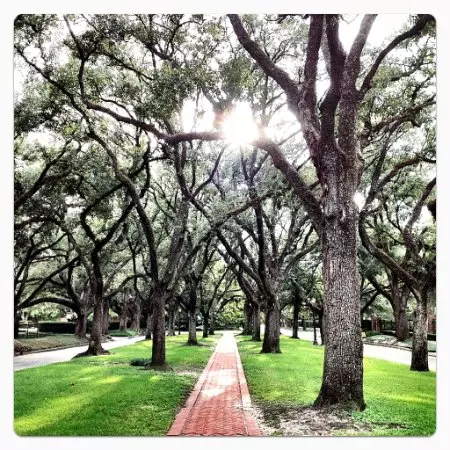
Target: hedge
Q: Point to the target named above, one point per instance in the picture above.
(68, 327)
(57, 327)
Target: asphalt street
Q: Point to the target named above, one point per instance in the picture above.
(399, 355)
(66, 354)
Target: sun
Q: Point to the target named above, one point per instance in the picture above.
(240, 127)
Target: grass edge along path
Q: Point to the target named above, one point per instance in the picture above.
(399, 402)
(49, 342)
(105, 395)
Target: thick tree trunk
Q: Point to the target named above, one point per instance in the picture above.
(399, 306)
(192, 336)
(212, 324)
(95, 341)
(271, 343)
(148, 331)
(81, 324)
(401, 323)
(123, 319)
(256, 334)
(205, 325)
(248, 318)
(295, 319)
(419, 357)
(105, 320)
(160, 296)
(342, 382)
(134, 324)
(171, 318)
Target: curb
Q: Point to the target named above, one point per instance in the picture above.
(52, 349)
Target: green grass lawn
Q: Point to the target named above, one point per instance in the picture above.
(123, 333)
(399, 402)
(51, 341)
(104, 395)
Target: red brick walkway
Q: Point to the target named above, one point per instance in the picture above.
(220, 402)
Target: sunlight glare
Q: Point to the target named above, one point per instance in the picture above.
(187, 115)
(240, 127)
(359, 199)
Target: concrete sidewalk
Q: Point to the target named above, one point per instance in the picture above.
(54, 356)
(219, 404)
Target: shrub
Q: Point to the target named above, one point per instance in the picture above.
(114, 325)
(372, 333)
(123, 333)
(57, 327)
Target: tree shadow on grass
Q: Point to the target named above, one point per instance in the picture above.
(109, 405)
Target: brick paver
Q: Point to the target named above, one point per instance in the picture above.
(220, 402)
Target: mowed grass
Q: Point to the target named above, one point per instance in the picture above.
(104, 395)
(48, 342)
(399, 402)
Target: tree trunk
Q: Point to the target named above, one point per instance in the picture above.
(134, 324)
(271, 343)
(322, 335)
(212, 324)
(314, 330)
(81, 324)
(419, 357)
(399, 306)
(248, 318)
(401, 323)
(16, 323)
(295, 319)
(171, 318)
(137, 328)
(342, 381)
(256, 335)
(123, 319)
(148, 331)
(303, 324)
(205, 325)
(105, 320)
(192, 337)
(95, 341)
(136, 316)
(160, 296)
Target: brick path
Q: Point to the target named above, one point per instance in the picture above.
(219, 404)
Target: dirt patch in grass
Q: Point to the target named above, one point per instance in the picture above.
(282, 420)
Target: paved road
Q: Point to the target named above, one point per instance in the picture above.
(66, 354)
(402, 356)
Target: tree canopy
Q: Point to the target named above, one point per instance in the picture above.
(206, 163)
